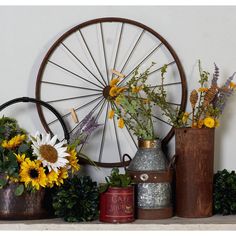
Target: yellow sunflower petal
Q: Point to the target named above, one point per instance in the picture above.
(14, 142)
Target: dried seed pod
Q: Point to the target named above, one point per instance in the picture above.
(193, 98)
(209, 96)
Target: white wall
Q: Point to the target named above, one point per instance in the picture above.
(206, 33)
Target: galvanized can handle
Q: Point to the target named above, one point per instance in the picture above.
(123, 160)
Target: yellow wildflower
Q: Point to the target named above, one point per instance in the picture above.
(111, 114)
(200, 123)
(136, 89)
(121, 123)
(217, 123)
(185, 117)
(232, 85)
(114, 82)
(202, 90)
(121, 90)
(209, 122)
(14, 142)
(117, 101)
(114, 91)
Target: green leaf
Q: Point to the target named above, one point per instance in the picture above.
(19, 190)
(3, 182)
(23, 148)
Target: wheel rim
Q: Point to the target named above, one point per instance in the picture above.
(101, 78)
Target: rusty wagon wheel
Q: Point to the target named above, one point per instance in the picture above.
(76, 71)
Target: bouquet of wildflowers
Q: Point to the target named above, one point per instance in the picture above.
(207, 102)
(34, 162)
(130, 106)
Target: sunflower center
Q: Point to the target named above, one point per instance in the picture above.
(33, 173)
(48, 153)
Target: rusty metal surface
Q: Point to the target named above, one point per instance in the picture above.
(194, 172)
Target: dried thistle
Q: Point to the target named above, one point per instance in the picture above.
(210, 94)
(193, 98)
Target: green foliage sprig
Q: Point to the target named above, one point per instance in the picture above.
(225, 192)
(116, 180)
(77, 199)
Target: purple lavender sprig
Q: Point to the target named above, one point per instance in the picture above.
(223, 94)
(215, 76)
(84, 129)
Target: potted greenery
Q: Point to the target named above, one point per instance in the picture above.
(116, 201)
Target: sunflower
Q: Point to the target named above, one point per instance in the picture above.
(73, 160)
(31, 172)
(52, 177)
(62, 174)
(14, 142)
(209, 122)
(52, 155)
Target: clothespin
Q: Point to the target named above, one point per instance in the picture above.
(118, 73)
(74, 115)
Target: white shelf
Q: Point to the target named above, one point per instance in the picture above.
(216, 222)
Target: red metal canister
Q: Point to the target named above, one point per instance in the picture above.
(117, 205)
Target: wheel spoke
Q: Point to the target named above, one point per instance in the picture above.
(82, 63)
(70, 86)
(129, 132)
(86, 45)
(118, 47)
(161, 120)
(72, 98)
(103, 135)
(158, 69)
(104, 51)
(131, 52)
(175, 104)
(78, 108)
(117, 139)
(169, 84)
(145, 58)
(71, 72)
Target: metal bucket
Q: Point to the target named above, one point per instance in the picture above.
(117, 205)
(194, 172)
(28, 206)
